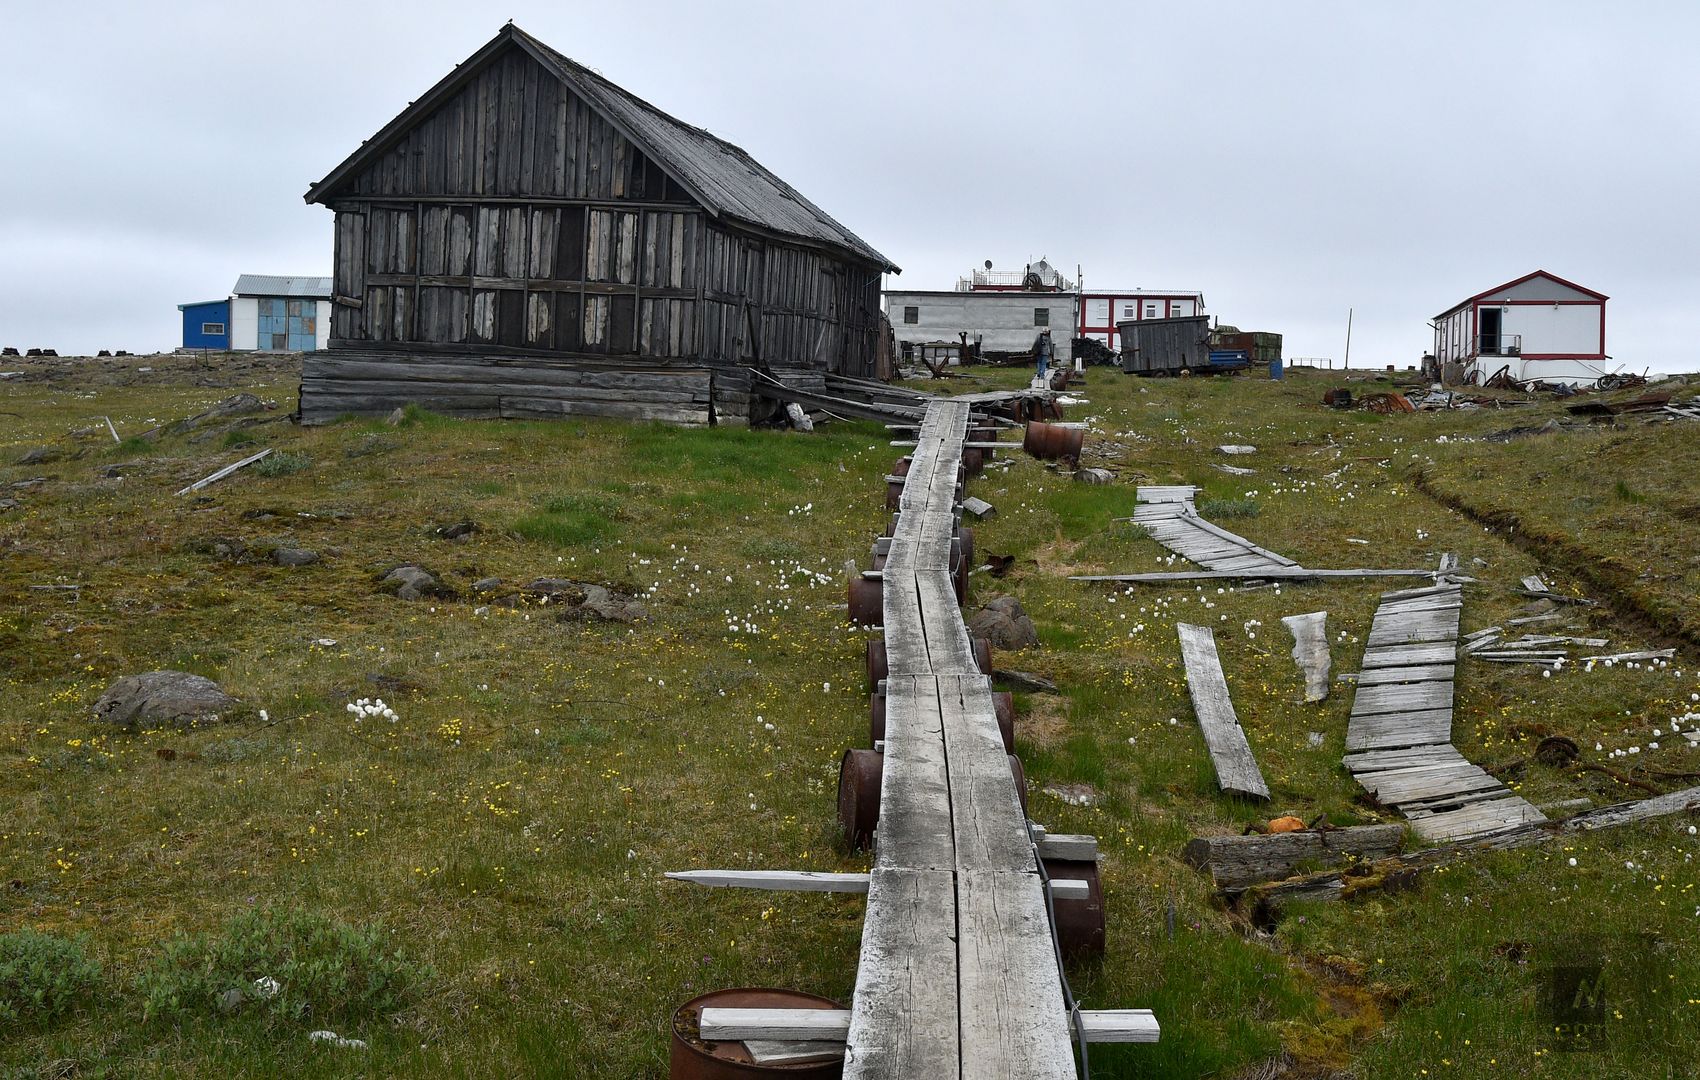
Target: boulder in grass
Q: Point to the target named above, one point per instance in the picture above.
(157, 699)
(412, 582)
(1002, 622)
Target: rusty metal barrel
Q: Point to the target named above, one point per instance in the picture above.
(983, 655)
(859, 796)
(867, 601)
(965, 536)
(1080, 923)
(1060, 377)
(877, 668)
(1051, 442)
(693, 1058)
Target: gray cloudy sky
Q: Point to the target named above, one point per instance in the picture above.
(1289, 159)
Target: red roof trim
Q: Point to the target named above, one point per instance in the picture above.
(1467, 301)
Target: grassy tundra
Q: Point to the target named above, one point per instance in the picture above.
(474, 887)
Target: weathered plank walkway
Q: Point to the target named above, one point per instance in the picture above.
(958, 975)
(1171, 519)
(1236, 769)
(1399, 736)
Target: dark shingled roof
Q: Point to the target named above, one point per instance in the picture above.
(727, 181)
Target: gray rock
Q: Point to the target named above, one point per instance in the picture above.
(162, 698)
(395, 418)
(412, 583)
(460, 530)
(288, 556)
(1002, 622)
(603, 604)
(555, 588)
(484, 585)
(9, 504)
(1094, 476)
(41, 455)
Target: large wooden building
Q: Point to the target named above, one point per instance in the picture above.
(528, 239)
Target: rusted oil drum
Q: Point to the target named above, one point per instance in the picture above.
(867, 606)
(876, 561)
(983, 655)
(859, 796)
(1060, 377)
(1080, 923)
(1020, 775)
(693, 1059)
(973, 461)
(877, 668)
(890, 527)
(893, 494)
(1003, 704)
(965, 536)
(1051, 442)
(901, 468)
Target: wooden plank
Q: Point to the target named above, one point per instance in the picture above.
(1282, 573)
(949, 650)
(1236, 768)
(986, 819)
(1383, 676)
(1477, 820)
(915, 794)
(904, 1015)
(1397, 730)
(1370, 761)
(1072, 847)
(736, 1025)
(1413, 628)
(224, 472)
(905, 638)
(1402, 697)
(1408, 655)
(1119, 1026)
(1396, 787)
(776, 880)
(791, 1051)
(1013, 1023)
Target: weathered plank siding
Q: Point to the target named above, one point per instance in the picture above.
(515, 219)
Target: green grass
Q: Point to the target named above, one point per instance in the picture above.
(510, 829)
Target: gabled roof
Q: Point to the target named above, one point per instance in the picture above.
(314, 288)
(725, 180)
(1518, 281)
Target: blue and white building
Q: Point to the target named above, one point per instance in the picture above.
(266, 313)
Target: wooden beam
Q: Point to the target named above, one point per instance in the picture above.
(224, 472)
(1283, 573)
(1236, 769)
(833, 1025)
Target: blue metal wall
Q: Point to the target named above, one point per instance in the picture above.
(197, 316)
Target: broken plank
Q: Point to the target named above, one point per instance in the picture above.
(777, 880)
(1310, 651)
(224, 472)
(1284, 573)
(1234, 862)
(1236, 769)
(903, 1020)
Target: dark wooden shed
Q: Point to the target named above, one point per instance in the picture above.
(528, 239)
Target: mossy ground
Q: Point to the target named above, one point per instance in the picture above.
(512, 825)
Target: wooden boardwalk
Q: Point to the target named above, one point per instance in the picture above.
(958, 974)
(1399, 737)
(1168, 515)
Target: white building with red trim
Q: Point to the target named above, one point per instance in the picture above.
(1540, 326)
(1102, 309)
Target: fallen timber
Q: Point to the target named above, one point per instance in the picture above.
(959, 974)
(1381, 873)
(1236, 769)
(1282, 573)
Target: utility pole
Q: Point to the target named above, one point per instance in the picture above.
(1347, 363)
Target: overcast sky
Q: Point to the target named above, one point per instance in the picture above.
(1291, 160)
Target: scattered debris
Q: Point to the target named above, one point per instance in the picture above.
(333, 1039)
(1233, 470)
(1235, 448)
(162, 698)
(1386, 403)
